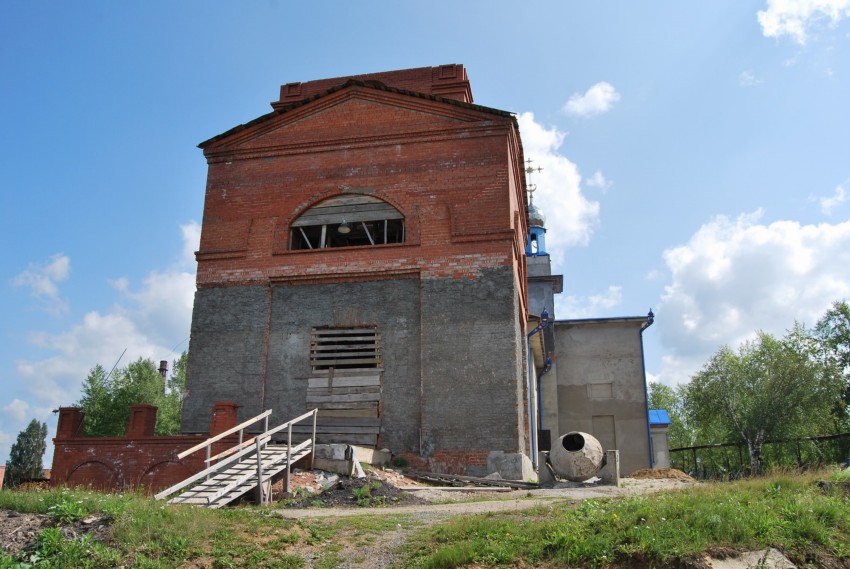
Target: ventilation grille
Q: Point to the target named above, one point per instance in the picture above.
(344, 348)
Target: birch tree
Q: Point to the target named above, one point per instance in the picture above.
(768, 389)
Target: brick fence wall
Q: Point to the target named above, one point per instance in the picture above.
(138, 459)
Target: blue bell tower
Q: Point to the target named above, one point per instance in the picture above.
(536, 244)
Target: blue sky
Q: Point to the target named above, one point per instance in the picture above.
(696, 158)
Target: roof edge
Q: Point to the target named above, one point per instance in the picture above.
(370, 84)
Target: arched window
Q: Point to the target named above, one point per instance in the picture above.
(349, 220)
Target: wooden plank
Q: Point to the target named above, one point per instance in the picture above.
(333, 215)
(347, 405)
(352, 439)
(348, 372)
(341, 331)
(352, 352)
(339, 361)
(347, 205)
(343, 211)
(457, 480)
(353, 372)
(343, 398)
(348, 199)
(457, 488)
(338, 429)
(348, 421)
(357, 381)
(349, 413)
(348, 438)
(342, 390)
(367, 345)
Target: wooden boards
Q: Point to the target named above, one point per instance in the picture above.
(349, 405)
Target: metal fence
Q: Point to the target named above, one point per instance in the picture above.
(730, 461)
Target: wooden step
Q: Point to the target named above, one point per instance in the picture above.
(238, 479)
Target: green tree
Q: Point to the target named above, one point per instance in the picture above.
(171, 404)
(106, 399)
(663, 396)
(833, 333)
(26, 455)
(768, 390)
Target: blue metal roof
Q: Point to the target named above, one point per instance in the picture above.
(659, 417)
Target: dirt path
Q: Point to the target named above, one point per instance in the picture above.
(382, 551)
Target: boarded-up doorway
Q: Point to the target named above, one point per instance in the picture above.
(345, 384)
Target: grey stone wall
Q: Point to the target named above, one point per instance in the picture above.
(391, 305)
(457, 341)
(225, 352)
(471, 363)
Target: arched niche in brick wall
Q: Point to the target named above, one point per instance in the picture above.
(163, 474)
(94, 474)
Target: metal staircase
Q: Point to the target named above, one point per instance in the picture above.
(237, 470)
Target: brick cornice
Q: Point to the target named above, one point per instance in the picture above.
(328, 278)
(460, 132)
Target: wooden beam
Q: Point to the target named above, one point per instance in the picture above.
(358, 381)
(348, 421)
(350, 413)
(321, 391)
(347, 405)
(344, 398)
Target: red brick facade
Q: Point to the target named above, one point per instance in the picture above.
(376, 140)
(138, 459)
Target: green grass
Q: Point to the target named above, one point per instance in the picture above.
(783, 511)
(146, 533)
(786, 511)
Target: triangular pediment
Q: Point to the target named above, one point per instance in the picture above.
(346, 115)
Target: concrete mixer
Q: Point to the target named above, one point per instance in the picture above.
(578, 456)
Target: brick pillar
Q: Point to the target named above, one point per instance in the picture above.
(70, 423)
(223, 417)
(142, 421)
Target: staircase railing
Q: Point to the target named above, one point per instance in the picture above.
(245, 448)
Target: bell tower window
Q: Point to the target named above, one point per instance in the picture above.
(350, 220)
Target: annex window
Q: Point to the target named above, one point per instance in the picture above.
(344, 348)
(347, 221)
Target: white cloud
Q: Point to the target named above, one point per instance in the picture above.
(736, 276)
(797, 18)
(748, 79)
(592, 306)
(827, 204)
(596, 100)
(17, 409)
(598, 180)
(570, 216)
(43, 281)
(191, 241)
(148, 321)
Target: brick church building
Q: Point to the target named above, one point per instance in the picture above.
(362, 252)
(368, 249)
